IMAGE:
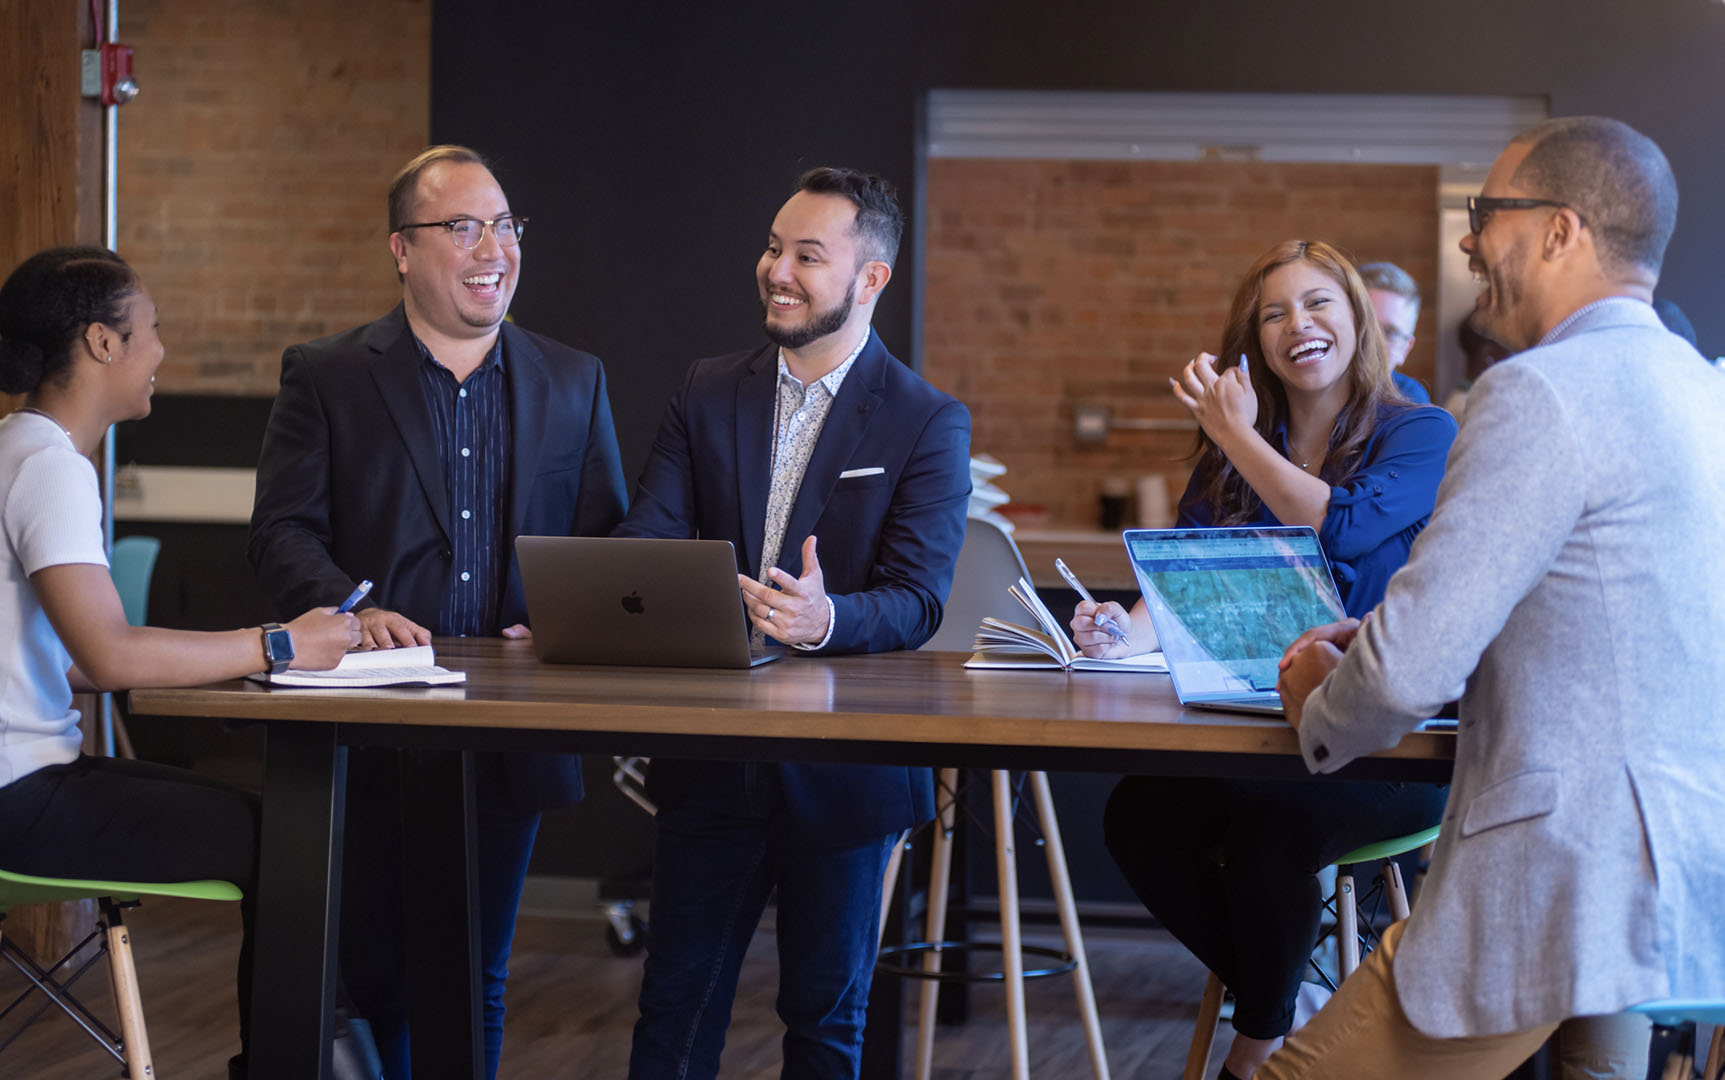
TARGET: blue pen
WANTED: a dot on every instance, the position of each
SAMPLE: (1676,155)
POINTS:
(1105,622)
(356,596)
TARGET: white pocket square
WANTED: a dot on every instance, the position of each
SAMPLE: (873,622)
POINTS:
(852,473)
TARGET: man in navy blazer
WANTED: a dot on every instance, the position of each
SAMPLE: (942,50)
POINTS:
(841,477)
(411,451)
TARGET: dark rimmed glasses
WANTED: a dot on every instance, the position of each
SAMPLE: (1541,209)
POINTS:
(1480,208)
(467,232)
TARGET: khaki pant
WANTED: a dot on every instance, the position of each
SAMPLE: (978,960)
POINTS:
(1362,1033)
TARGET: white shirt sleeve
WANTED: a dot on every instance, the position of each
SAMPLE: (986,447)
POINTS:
(53,514)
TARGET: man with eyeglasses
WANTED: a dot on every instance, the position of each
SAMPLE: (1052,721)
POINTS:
(1569,585)
(1396,300)
(411,451)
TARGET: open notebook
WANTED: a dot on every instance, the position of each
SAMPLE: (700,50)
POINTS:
(1001,645)
(414,665)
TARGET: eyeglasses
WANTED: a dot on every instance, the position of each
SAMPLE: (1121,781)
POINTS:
(467,232)
(1480,208)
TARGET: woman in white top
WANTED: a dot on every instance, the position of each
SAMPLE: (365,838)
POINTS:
(78,337)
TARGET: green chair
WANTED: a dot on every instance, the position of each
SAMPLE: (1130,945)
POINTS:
(1354,931)
(131,564)
(131,1048)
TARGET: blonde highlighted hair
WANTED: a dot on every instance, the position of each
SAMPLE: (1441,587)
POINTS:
(1369,385)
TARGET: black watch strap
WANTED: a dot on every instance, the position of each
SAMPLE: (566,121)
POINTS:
(278,647)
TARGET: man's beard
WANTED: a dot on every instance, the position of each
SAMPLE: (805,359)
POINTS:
(1493,322)
(819,324)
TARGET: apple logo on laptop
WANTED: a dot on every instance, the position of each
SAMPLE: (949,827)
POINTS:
(633,605)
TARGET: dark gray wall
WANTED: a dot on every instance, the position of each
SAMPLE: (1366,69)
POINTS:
(651,142)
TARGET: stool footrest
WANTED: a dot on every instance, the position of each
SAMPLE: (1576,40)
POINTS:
(1064,962)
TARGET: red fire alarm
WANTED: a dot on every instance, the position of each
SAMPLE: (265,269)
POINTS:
(108,74)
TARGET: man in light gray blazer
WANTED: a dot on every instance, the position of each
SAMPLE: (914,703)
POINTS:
(1570,589)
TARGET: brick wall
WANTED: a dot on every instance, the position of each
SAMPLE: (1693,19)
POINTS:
(1054,284)
(253,167)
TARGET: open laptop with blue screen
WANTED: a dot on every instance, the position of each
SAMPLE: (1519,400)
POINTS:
(1227,603)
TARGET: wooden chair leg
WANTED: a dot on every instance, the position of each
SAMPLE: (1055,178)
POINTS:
(890,883)
(1398,892)
(1204,1031)
(1068,909)
(1011,944)
(124,975)
(1347,926)
(939,885)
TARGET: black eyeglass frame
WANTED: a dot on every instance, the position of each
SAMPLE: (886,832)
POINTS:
(520,228)
(1481,207)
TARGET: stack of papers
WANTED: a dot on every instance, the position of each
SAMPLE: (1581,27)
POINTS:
(411,666)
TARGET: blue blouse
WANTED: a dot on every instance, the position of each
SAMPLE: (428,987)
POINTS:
(1376,513)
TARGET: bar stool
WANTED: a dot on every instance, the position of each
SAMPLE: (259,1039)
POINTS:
(1671,1055)
(1013,949)
(1346,905)
(131,1048)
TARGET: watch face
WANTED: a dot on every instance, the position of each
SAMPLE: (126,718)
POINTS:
(278,643)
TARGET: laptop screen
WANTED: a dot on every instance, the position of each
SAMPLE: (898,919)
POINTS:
(1227,603)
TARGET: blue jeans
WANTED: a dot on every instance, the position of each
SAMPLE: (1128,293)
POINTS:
(721,852)
(373,955)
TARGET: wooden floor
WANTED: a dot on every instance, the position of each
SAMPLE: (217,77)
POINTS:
(572,1004)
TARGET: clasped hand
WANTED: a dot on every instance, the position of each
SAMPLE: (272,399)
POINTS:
(1224,404)
(796,612)
(1309,660)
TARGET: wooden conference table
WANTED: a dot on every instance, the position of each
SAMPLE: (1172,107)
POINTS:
(905,708)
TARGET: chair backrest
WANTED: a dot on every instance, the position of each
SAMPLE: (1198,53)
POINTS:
(988,565)
(130,565)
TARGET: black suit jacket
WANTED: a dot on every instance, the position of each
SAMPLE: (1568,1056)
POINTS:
(350,486)
(885,493)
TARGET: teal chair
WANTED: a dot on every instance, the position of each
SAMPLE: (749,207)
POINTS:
(1354,934)
(131,564)
(1672,1052)
(131,1047)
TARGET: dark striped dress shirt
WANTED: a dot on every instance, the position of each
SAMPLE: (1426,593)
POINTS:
(471,424)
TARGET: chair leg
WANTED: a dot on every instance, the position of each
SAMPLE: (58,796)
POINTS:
(1011,945)
(1671,1052)
(126,997)
(1068,909)
(939,884)
(1204,1031)
(1398,892)
(888,884)
(1347,926)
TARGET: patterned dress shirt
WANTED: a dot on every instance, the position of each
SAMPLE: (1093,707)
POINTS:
(799,414)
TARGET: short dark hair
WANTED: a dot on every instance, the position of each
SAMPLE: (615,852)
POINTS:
(879,221)
(404,189)
(1616,178)
(46,305)
(1390,278)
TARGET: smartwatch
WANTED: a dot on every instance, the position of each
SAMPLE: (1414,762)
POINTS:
(278,647)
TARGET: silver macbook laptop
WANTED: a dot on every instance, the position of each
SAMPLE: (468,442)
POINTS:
(1227,603)
(645,603)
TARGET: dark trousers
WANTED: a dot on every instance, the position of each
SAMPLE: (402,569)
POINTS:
(1230,868)
(722,849)
(117,820)
(373,953)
